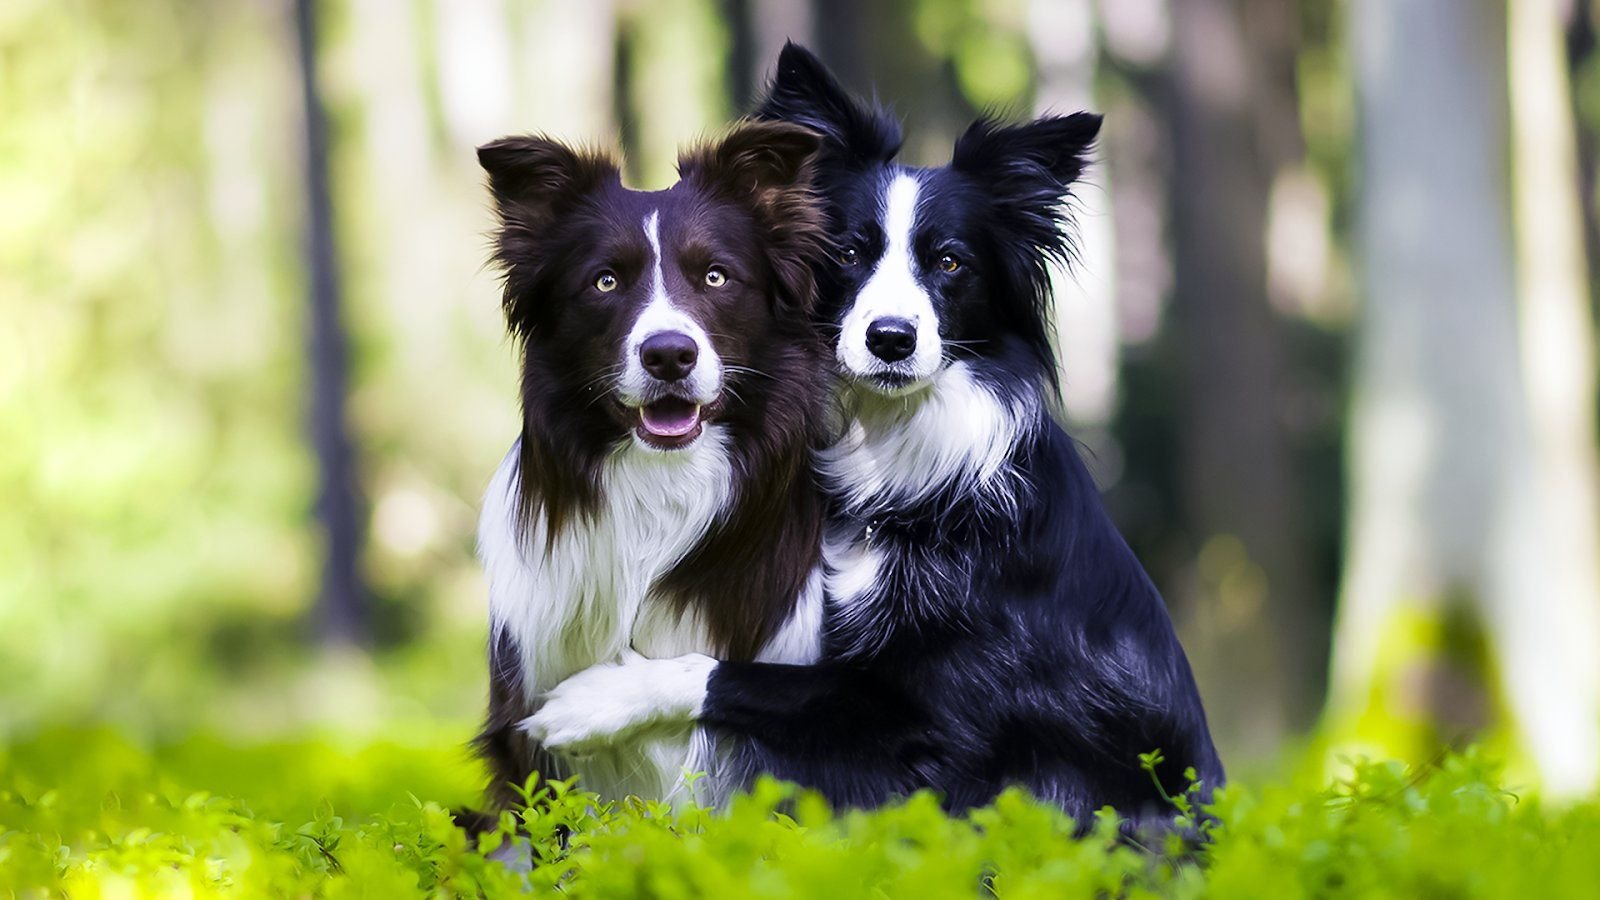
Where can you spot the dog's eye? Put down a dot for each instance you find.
(605, 282)
(716, 277)
(949, 263)
(848, 256)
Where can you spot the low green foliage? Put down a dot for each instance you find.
(87, 814)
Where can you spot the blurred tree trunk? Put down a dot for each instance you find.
(669, 97)
(342, 603)
(876, 51)
(758, 29)
(1581, 47)
(1257, 644)
(1061, 34)
(575, 46)
(1472, 463)
(1559, 643)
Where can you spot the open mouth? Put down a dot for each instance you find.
(669, 423)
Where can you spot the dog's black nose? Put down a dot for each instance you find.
(669, 355)
(891, 338)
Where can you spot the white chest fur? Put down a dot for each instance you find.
(588, 596)
(957, 435)
(900, 450)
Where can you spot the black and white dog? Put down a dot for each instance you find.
(986, 625)
(661, 495)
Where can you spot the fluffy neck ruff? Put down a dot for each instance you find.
(955, 438)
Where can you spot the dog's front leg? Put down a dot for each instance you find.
(605, 703)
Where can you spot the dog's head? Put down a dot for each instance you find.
(641, 314)
(932, 265)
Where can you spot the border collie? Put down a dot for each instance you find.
(986, 625)
(661, 495)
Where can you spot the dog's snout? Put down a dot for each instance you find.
(891, 338)
(669, 355)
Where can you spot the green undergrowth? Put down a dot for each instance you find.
(86, 814)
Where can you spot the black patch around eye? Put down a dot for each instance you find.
(872, 235)
(869, 246)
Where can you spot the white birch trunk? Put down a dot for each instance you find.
(1445, 460)
(1551, 641)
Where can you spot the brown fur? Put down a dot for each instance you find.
(744, 201)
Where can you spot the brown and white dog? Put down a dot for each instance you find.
(660, 496)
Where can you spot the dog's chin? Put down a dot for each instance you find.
(669, 423)
(889, 382)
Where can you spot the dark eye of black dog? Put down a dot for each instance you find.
(859, 247)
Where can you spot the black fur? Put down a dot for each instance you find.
(1011, 638)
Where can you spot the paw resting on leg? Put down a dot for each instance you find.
(606, 703)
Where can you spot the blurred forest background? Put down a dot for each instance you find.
(1330, 343)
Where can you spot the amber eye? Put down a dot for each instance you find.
(848, 256)
(716, 277)
(605, 282)
(949, 263)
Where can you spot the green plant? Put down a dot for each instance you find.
(88, 813)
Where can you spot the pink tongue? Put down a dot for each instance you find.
(670, 417)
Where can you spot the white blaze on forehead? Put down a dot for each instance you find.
(661, 314)
(894, 291)
(652, 233)
(900, 215)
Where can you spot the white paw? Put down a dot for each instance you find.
(604, 704)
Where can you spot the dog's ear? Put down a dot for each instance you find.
(767, 167)
(1028, 170)
(1056, 147)
(803, 91)
(754, 159)
(533, 180)
(532, 177)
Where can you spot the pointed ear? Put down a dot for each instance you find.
(754, 158)
(533, 180)
(803, 91)
(767, 167)
(1028, 170)
(532, 174)
(1053, 147)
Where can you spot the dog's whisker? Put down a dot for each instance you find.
(749, 370)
